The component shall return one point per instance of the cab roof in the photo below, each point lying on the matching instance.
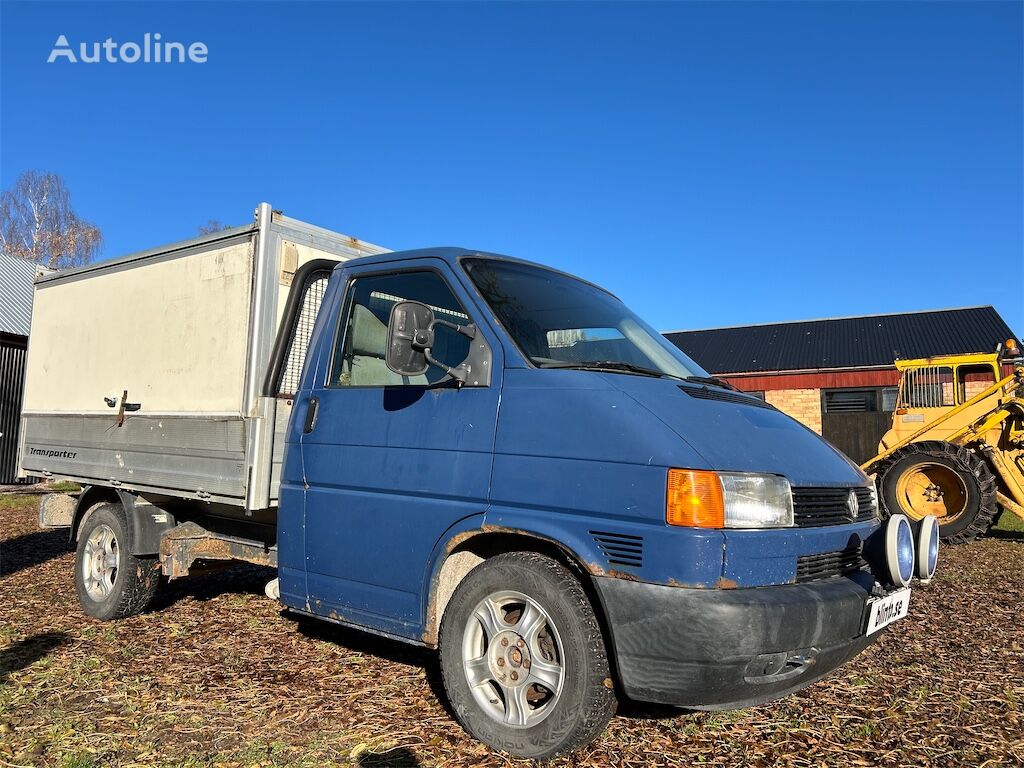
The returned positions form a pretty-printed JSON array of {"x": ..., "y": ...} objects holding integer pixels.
[{"x": 451, "y": 256}]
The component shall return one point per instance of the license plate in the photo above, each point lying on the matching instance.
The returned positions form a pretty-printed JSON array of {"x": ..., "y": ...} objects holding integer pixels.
[{"x": 885, "y": 610}]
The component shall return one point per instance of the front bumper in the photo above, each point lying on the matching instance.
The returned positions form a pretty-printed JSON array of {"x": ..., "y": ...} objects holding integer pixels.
[{"x": 730, "y": 648}]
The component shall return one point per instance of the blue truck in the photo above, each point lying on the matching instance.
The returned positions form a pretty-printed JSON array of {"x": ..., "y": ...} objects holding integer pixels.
[{"x": 502, "y": 461}]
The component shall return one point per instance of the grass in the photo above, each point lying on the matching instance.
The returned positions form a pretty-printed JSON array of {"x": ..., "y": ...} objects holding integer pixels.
[
  {"x": 79, "y": 760},
  {"x": 1010, "y": 522},
  {"x": 64, "y": 486},
  {"x": 31, "y": 500},
  {"x": 10, "y": 501}
]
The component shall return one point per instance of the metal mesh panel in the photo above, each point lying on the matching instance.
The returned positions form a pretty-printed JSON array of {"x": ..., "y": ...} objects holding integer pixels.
[
  {"x": 313, "y": 296},
  {"x": 927, "y": 387}
]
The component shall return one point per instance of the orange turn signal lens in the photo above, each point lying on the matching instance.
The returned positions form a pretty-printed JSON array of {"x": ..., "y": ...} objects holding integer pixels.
[{"x": 694, "y": 498}]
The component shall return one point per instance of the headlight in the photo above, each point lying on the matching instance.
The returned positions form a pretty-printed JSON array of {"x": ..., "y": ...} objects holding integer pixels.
[
  {"x": 899, "y": 550},
  {"x": 727, "y": 500}
]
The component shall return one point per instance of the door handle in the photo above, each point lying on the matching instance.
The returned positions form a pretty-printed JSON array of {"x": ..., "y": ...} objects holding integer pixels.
[{"x": 312, "y": 409}]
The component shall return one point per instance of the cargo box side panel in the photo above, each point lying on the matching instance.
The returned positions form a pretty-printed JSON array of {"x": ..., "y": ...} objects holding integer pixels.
[
  {"x": 171, "y": 331},
  {"x": 196, "y": 456}
]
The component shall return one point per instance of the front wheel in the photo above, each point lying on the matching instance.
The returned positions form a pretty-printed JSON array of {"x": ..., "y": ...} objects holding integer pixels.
[
  {"x": 935, "y": 478},
  {"x": 523, "y": 658},
  {"x": 112, "y": 583}
]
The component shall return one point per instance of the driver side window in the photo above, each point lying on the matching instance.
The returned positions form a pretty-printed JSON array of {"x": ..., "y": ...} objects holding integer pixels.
[{"x": 362, "y": 336}]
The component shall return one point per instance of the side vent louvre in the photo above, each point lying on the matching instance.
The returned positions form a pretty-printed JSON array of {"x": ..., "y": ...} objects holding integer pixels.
[
  {"x": 725, "y": 396},
  {"x": 620, "y": 548}
]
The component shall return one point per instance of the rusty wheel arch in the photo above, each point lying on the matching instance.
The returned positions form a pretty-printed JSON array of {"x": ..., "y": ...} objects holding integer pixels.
[{"x": 482, "y": 544}]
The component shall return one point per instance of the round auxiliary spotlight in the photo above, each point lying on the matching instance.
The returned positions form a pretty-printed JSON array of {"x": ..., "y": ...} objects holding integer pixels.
[
  {"x": 927, "y": 548},
  {"x": 899, "y": 550}
]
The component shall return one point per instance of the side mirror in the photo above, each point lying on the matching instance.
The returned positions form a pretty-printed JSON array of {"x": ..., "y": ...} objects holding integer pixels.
[{"x": 410, "y": 337}]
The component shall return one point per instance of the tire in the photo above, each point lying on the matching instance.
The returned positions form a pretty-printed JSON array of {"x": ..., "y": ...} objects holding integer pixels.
[
  {"x": 563, "y": 647},
  {"x": 122, "y": 584},
  {"x": 950, "y": 481}
]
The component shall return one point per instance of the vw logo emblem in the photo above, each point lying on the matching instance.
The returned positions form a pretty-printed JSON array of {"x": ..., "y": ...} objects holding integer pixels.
[{"x": 851, "y": 505}]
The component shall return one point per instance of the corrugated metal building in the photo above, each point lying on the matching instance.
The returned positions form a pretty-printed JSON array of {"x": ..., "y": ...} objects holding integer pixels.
[
  {"x": 16, "y": 286},
  {"x": 837, "y": 375}
]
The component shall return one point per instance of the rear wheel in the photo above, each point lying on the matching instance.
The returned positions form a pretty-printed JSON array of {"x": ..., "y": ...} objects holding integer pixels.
[
  {"x": 934, "y": 478},
  {"x": 524, "y": 659},
  {"x": 112, "y": 583}
]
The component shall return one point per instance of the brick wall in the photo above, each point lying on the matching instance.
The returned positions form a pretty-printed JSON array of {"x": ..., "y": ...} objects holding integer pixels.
[{"x": 804, "y": 405}]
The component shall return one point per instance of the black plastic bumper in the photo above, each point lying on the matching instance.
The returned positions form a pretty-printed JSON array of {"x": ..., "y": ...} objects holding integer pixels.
[{"x": 722, "y": 649}]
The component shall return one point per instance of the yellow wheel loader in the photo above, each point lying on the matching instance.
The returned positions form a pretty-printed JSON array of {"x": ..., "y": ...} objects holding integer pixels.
[{"x": 956, "y": 446}]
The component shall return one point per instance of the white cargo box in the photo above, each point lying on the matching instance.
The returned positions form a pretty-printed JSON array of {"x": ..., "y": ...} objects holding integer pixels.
[{"x": 147, "y": 372}]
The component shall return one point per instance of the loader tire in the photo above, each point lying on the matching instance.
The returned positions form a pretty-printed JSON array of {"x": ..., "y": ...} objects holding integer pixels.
[
  {"x": 948, "y": 481},
  {"x": 112, "y": 583}
]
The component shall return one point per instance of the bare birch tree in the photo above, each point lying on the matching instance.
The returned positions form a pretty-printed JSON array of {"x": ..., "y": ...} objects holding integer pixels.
[
  {"x": 211, "y": 226},
  {"x": 38, "y": 224}
]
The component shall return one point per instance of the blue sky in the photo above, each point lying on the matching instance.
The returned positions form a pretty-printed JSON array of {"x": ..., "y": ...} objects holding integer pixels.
[{"x": 713, "y": 164}]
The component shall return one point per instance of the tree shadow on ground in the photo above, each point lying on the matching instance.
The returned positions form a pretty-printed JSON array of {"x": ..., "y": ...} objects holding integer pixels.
[
  {"x": 32, "y": 549},
  {"x": 26, "y": 652}
]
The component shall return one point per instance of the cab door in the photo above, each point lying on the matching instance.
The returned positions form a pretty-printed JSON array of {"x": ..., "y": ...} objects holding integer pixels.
[
  {"x": 391, "y": 462},
  {"x": 971, "y": 380}
]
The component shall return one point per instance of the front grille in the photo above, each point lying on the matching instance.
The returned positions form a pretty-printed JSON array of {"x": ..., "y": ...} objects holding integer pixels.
[
  {"x": 725, "y": 396},
  {"x": 620, "y": 548},
  {"x": 813, "y": 507},
  {"x": 828, "y": 565}
]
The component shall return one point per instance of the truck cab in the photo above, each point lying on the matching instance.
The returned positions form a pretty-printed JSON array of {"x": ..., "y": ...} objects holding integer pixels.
[
  {"x": 502, "y": 460},
  {"x": 930, "y": 387}
]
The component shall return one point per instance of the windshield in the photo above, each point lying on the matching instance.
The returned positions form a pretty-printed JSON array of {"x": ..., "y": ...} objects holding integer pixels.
[{"x": 560, "y": 322}]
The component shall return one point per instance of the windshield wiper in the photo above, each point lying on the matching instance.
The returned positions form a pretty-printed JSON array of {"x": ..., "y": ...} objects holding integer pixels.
[
  {"x": 712, "y": 380},
  {"x": 613, "y": 366}
]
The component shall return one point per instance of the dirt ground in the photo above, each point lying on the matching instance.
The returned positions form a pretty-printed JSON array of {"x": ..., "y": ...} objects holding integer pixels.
[{"x": 218, "y": 675}]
